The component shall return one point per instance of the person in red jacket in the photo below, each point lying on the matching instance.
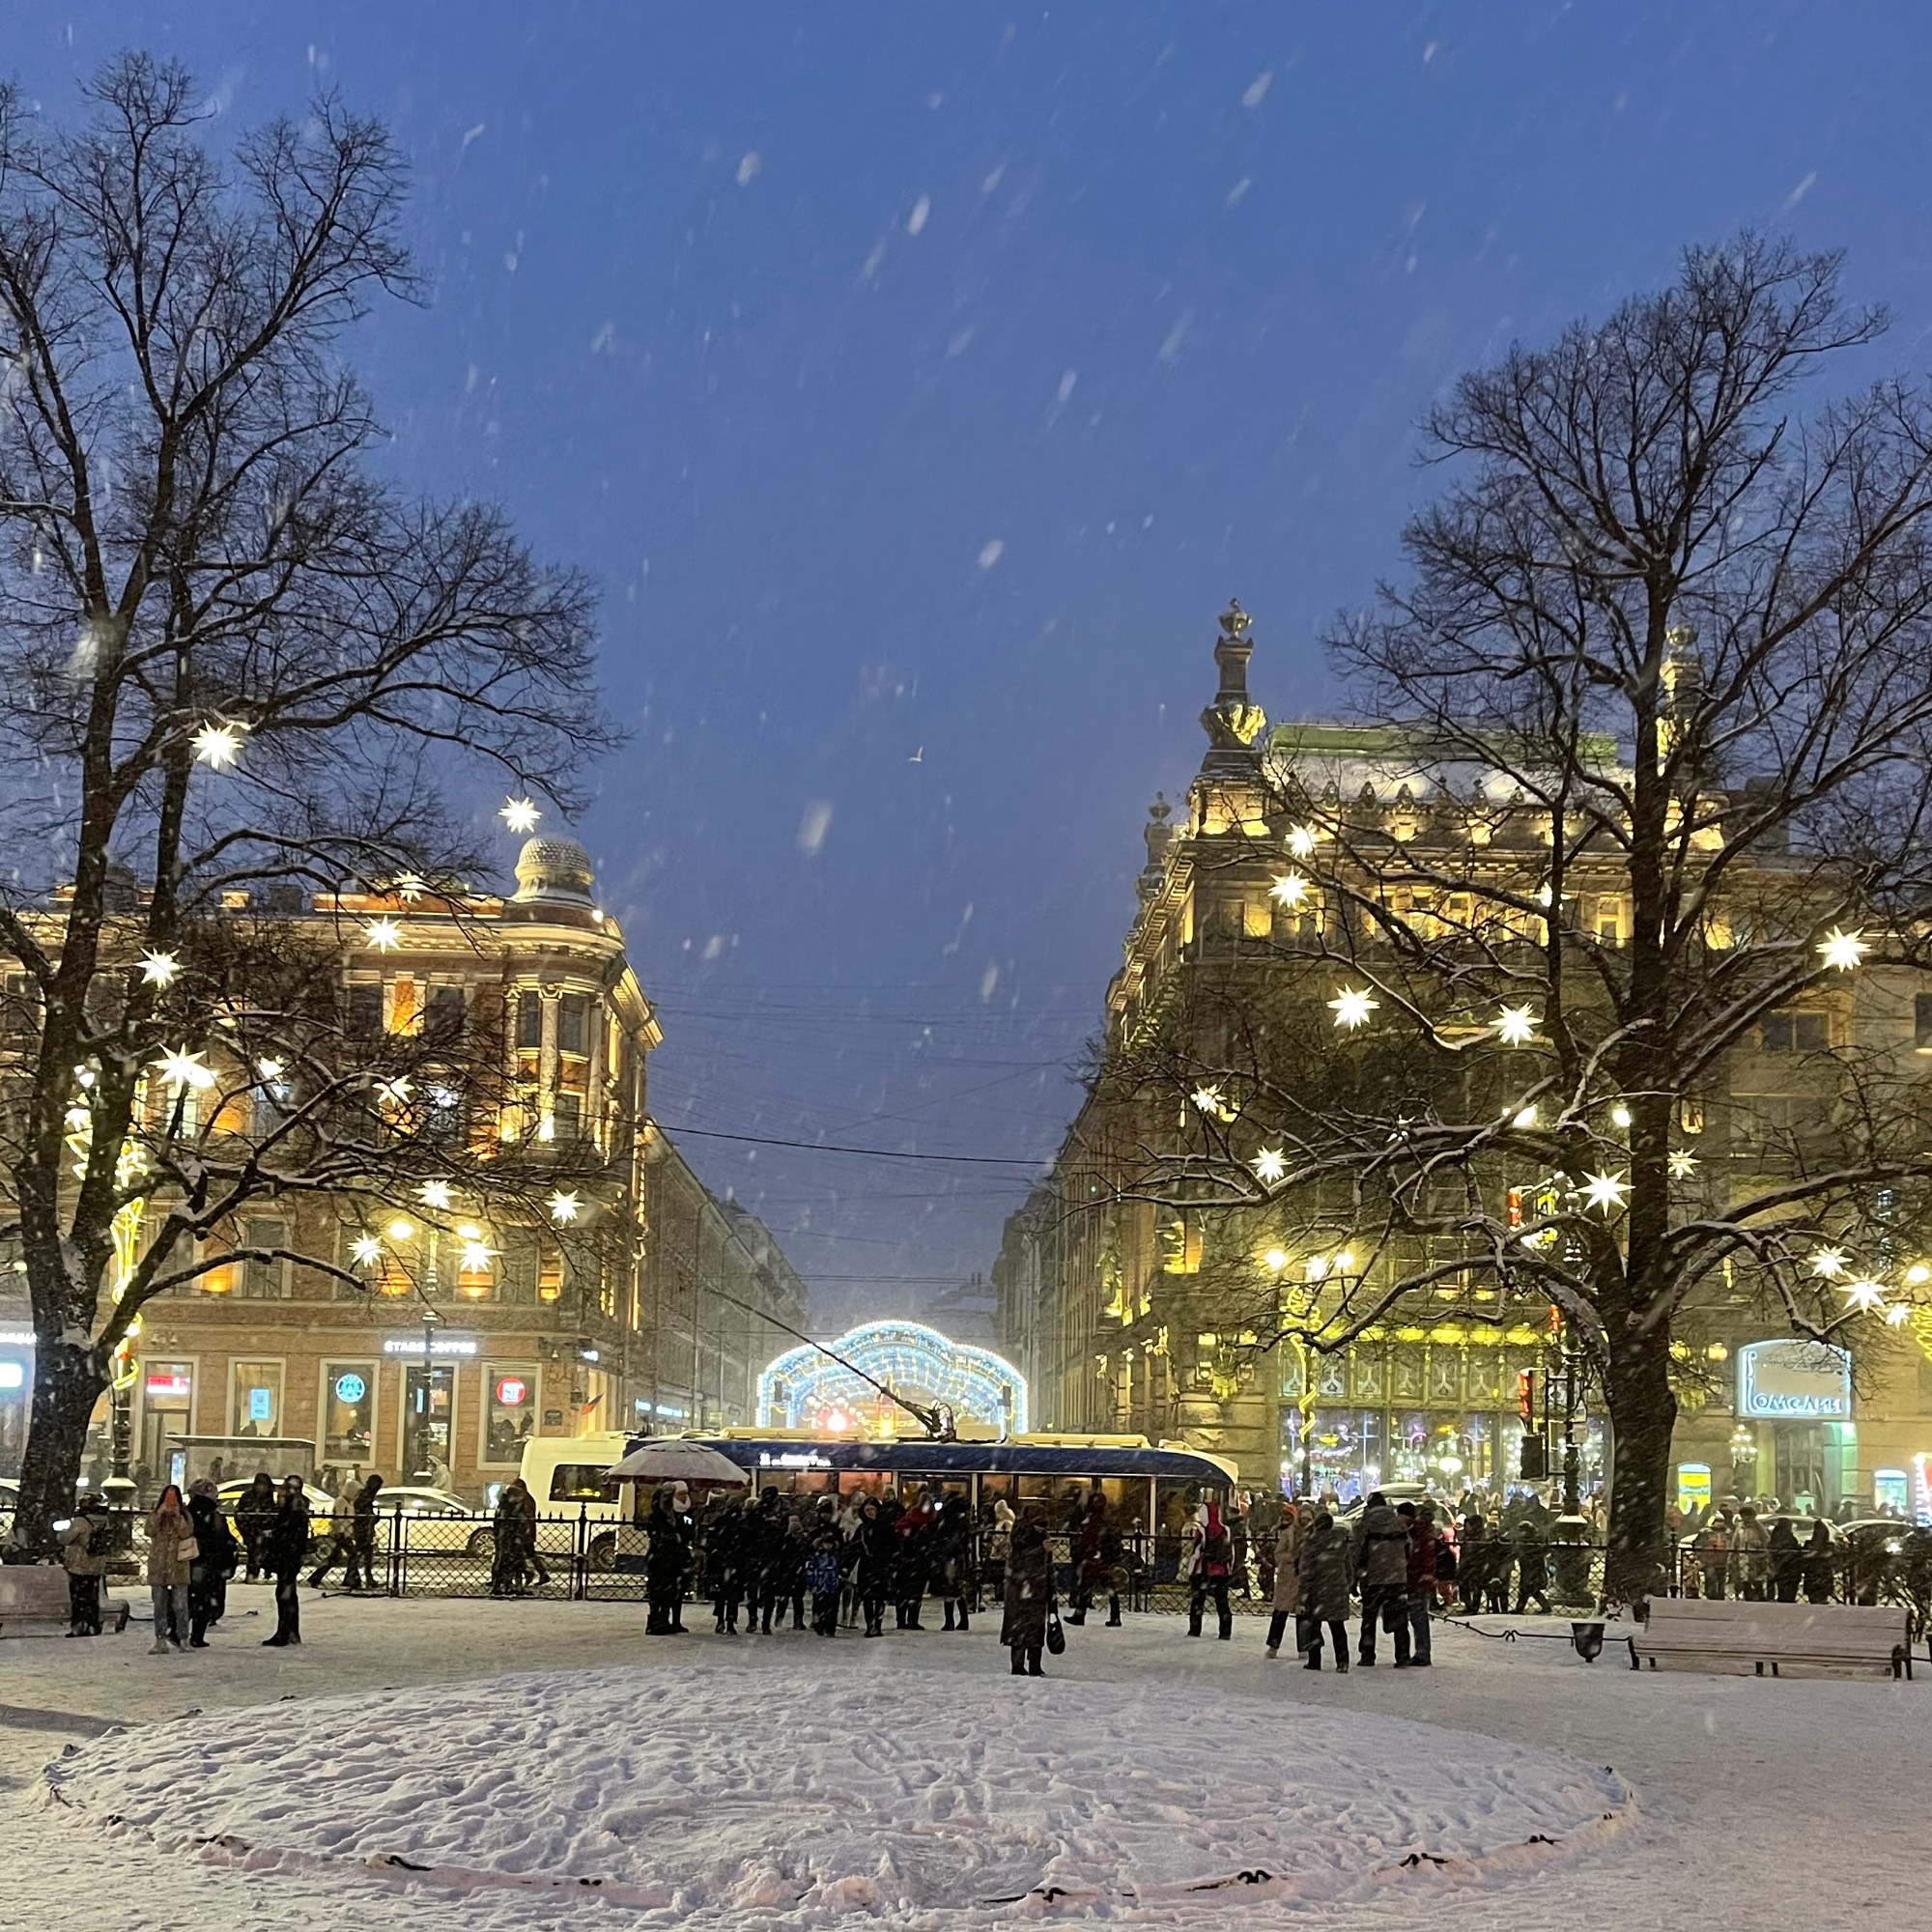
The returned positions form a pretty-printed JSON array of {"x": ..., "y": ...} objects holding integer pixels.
[{"x": 1411, "y": 1643}]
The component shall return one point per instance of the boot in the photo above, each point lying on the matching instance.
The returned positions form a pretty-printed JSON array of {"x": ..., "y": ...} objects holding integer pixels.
[
  {"x": 1019, "y": 1661},
  {"x": 1341, "y": 1664},
  {"x": 1113, "y": 1613},
  {"x": 1033, "y": 1663},
  {"x": 160, "y": 1647},
  {"x": 948, "y": 1616},
  {"x": 962, "y": 1619},
  {"x": 1315, "y": 1662},
  {"x": 1273, "y": 1650},
  {"x": 1076, "y": 1616}
]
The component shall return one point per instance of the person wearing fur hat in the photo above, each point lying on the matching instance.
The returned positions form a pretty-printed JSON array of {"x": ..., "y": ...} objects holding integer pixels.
[
  {"x": 667, "y": 1563},
  {"x": 1029, "y": 1594}
]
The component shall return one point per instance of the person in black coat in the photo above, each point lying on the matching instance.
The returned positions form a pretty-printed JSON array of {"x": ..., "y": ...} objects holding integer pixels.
[
  {"x": 952, "y": 1554},
  {"x": 877, "y": 1559},
  {"x": 1787, "y": 1561},
  {"x": 283, "y": 1549},
  {"x": 215, "y": 1555},
  {"x": 666, "y": 1564},
  {"x": 726, "y": 1550},
  {"x": 254, "y": 1515}
]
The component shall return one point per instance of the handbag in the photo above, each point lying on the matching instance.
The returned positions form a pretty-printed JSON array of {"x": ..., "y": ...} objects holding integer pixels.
[
  {"x": 1056, "y": 1637},
  {"x": 188, "y": 1550}
]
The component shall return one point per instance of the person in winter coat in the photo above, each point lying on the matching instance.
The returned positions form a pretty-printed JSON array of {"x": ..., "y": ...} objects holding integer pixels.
[
  {"x": 1532, "y": 1565},
  {"x": 253, "y": 1515},
  {"x": 1787, "y": 1560},
  {"x": 1413, "y": 1649},
  {"x": 785, "y": 1575},
  {"x": 1266, "y": 1513},
  {"x": 876, "y": 1553},
  {"x": 216, "y": 1556},
  {"x": 999, "y": 1541},
  {"x": 1209, "y": 1569},
  {"x": 362, "y": 1537},
  {"x": 508, "y": 1573},
  {"x": 1751, "y": 1561},
  {"x": 1029, "y": 1596},
  {"x": 283, "y": 1549},
  {"x": 725, "y": 1552},
  {"x": 1084, "y": 1539},
  {"x": 1817, "y": 1565},
  {"x": 666, "y": 1564},
  {"x": 341, "y": 1544},
  {"x": 1712, "y": 1549},
  {"x": 952, "y": 1553},
  {"x": 912, "y": 1564},
  {"x": 1381, "y": 1562},
  {"x": 821, "y": 1578},
  {"x": 1325, "y": 1571},
  {"x": 1285, "y": 1598},
  {"x": 760, "y": 1556},
  {"x": 83, "y": 1548},
  {"x": 170, "y": 1558}
]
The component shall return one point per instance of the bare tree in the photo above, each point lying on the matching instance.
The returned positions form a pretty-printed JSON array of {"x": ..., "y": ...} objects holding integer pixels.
[
  {"x": 231, "y": 656},
  {"x": 1657, "y": 705}
]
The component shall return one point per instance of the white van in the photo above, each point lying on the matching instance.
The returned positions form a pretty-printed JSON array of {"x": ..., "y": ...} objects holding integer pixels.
[{"x": 566, "y": 1475}]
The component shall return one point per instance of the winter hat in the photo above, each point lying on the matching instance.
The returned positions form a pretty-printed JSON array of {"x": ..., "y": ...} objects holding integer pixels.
[{"x": 679, "y": 1494}]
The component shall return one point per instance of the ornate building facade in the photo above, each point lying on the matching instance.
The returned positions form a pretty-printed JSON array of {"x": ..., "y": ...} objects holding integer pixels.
[
  {"x": 1131, "y": 1316},
  {"x": 467, "y": 1329}
]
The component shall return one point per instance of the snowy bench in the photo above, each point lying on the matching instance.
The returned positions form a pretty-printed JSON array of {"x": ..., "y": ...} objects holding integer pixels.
[
  {"x": 1715, "y": 1634},
  {"x": 35, "y": 1593}
]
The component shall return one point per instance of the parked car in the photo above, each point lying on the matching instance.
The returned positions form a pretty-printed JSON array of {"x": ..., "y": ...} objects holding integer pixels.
[
  {"x": 321, "y": 1506},
  {"x": 438, "y": 1520}
]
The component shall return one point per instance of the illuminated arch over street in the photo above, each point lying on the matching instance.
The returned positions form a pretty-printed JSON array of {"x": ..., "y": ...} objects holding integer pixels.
[{"x": 805, "y": 1386}]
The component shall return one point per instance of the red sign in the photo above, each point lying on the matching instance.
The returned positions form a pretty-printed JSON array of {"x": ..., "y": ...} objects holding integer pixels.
[
  {"x": 512, "y": 1391},
  {"x": 168, "y": 1385}
]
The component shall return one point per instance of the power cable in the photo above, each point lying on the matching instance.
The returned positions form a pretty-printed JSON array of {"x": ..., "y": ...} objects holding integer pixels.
[{"x": 870, "y": 1153}]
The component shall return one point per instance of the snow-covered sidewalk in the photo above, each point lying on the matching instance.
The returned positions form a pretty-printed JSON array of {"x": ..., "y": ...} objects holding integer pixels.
[{"x": 615, "y": 1780}]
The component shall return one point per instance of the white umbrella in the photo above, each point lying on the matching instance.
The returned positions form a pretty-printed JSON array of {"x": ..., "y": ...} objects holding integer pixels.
[{"x": 670, "y": 1458}]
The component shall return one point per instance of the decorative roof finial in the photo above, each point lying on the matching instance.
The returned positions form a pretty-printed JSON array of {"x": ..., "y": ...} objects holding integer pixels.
[{"x": 1232, "y": 722}]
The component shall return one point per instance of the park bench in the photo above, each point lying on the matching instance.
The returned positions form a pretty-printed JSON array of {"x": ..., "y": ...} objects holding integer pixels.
[
  {"x": 1715, "y": 1634},
  {"x": 35, "y": 1593}
]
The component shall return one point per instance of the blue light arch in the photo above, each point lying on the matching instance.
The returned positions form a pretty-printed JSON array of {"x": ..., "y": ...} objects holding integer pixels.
[{"x": 907, "y": 1356}]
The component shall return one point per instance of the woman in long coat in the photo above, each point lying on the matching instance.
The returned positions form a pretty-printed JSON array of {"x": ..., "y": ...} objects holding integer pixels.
[
  {"x": 1327, "y": 1571},
  {"x": 1286, "y": 1601},
  {"x": 1029, "y": 1597}
]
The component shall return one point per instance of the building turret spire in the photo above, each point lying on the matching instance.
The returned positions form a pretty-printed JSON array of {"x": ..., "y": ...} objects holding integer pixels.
[{"x": 1232, "y": 722}]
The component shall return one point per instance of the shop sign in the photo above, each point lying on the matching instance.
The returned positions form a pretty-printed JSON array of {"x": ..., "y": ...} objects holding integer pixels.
[
  {"x": 260, "y": 1404},
  {"x": 1804, "y": 1382},
  {"x": 553, "y": 1418},
  {"x": 350, "y": 1388},
  {"x": 440, "y": 1345},
  {"x": 167, "y": 1388},
  {"x": 512, "y": 1391},
  {"x": 1693, "y": 1486}
]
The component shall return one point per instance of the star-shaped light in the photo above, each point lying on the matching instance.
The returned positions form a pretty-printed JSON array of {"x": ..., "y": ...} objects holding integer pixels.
[
  {"x": 219, "y": 743},
  {"x": 1842, "y": 950},
  {"x": 433, "y": 1194},
  {"x": 1207, "y": 1099},
  {"x": 477, "y": 1257},
  {"x": 1605, "y": 1190},
  {"x": 158, "y": 968},
  {"x": 1516, "y": 1026},
  {"x": 564, "y": 1208},
  {"x": 397, "y": 1091},
  {"x": 1269, "y": 1166},
  {"x": 442, "y": 1097},
  {"x": 1826, "y": 1262},
  {"x": 408, "y": 888},
  {"x": 520, "y": 815},
  {"x": 183, "y": 1068},
  {"x": 1897, "y": 1315},
  {"x": 1352, "y": 1007},
  {"x": 383, "y": 935},
  {"x": 1301, "y": 839},
  {"x": 1865, "y": 1295},
  {"x": 365, "y": 1250},
  {"x": 1683, "y": 1165},
  {"x": 1290, "y": 889}
]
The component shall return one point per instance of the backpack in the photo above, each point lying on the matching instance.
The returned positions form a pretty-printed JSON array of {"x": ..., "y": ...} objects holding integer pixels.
[
  {"x": 99, "y": 1537},
  {"x": 1445, "y": 1561},
  {"x": 1218, "y": 1554}
]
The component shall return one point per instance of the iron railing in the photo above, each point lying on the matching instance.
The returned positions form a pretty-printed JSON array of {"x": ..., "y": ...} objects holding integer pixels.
[{"x": 580, "y": 1555}]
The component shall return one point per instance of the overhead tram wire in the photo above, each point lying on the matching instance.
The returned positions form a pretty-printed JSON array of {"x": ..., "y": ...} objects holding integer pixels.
[{"x": 870, "y": 1153}]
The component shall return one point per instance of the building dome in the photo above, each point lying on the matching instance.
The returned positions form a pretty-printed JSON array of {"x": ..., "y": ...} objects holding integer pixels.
[{"x": 554, "y": 870}]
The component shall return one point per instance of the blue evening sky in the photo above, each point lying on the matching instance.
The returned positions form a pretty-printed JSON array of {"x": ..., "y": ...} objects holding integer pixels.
[{"x": 919, "y": 381}]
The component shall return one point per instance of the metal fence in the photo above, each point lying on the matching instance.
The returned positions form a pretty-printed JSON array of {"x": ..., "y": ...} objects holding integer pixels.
[{"x": 583, "y": 1556}]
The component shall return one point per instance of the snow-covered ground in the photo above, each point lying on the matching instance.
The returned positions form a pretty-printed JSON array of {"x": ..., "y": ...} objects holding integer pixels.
[{"x": 613, "y": 1780}]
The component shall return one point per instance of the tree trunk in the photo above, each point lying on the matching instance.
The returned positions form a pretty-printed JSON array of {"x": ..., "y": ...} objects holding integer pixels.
[
  {"x": 68, "y": 1382},
  {"x": 1643, "y": 1411}
]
